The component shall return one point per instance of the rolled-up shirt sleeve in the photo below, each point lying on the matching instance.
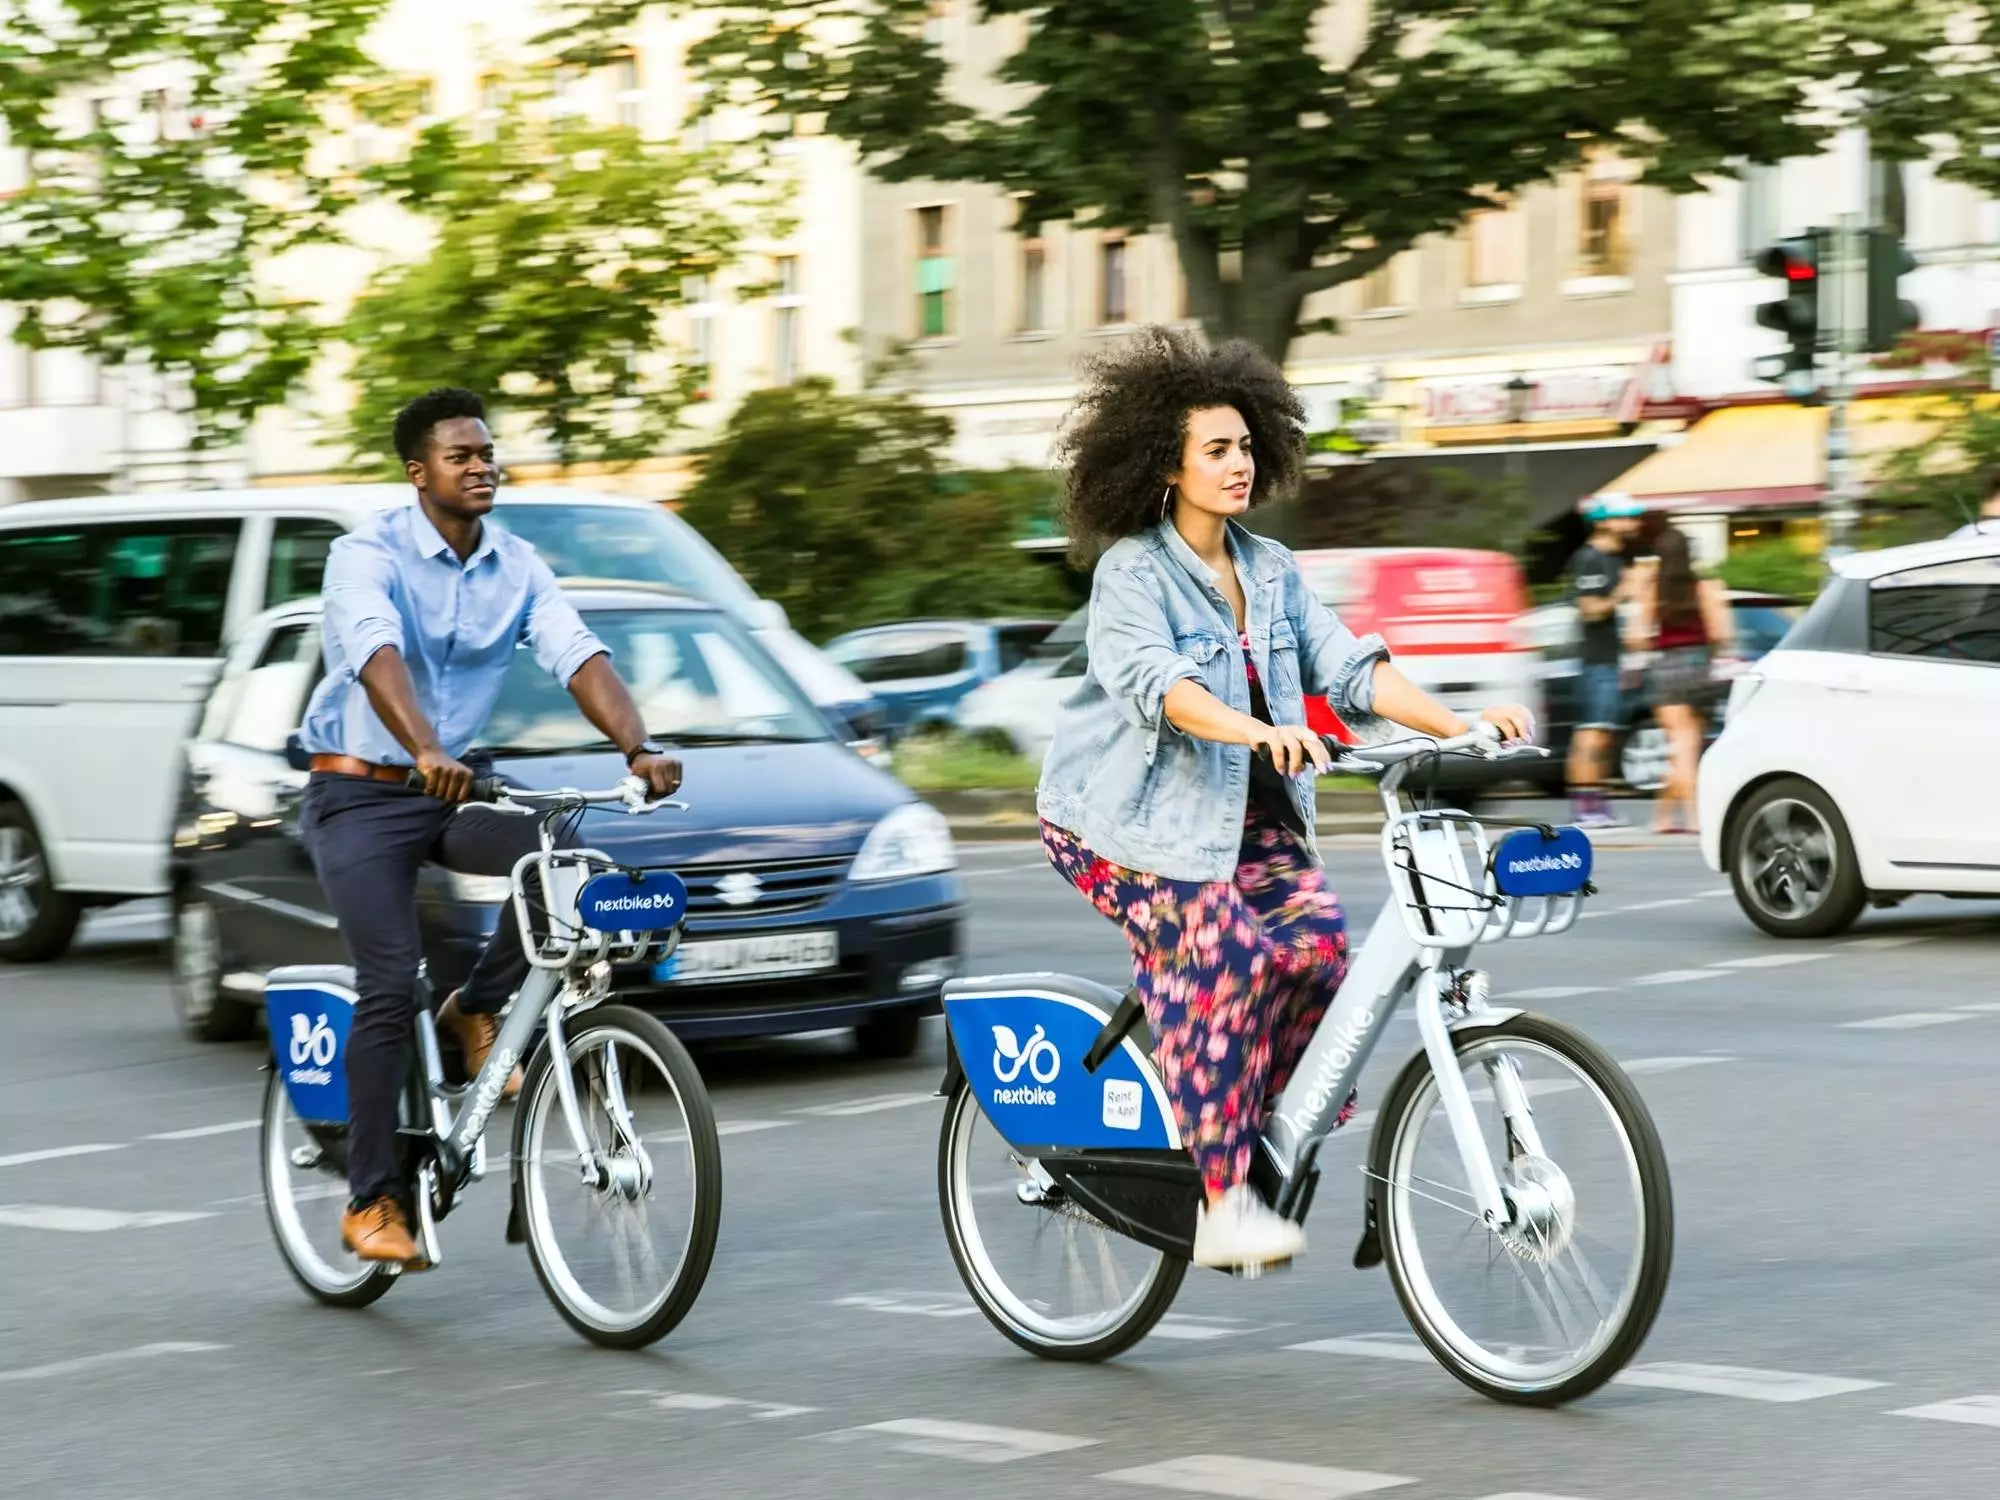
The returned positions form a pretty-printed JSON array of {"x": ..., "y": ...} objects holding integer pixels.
[
  {"x": 1338, "y": 664},
  {"x": 562, "y": 642},
  {"x": 1131, "y": 646},
  {"x": 358, "y": 602}
]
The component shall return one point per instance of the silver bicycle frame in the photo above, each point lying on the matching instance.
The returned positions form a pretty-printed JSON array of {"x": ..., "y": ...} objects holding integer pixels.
[{"x": 1391, "y": 965}]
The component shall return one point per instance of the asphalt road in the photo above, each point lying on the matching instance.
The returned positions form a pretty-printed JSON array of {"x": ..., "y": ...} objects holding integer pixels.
[{"x": 1829, "y": 1331}]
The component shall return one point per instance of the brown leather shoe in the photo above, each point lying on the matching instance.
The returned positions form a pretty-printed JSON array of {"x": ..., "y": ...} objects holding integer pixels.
[
  {"x": 476, "y": 1033},
  {"x": 376, "y": 1231}
]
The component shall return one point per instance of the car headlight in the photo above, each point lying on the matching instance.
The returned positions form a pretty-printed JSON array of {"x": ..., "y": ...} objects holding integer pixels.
[
  {"x": 912, "y": 840},
  {"x": 478, "y": 890}
]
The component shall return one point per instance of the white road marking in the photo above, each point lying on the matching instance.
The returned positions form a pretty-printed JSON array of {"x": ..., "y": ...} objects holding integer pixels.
[
  {"x": 755, "y": 1411},
  {"x": 1527, "y": 1495},
  {"x": 1660, "y": 905},
  {"x": 1040, "y": 864},
  {"x": 1770, "y": 960},
  {"x": 115, "y": 1357},
  {"x": 202, "y": 1130},
  {"x": 23, "y": 1158},
  {"x": 1984, "y": 1007},
  {"x": 1978, "y": 1411},
  {"x": 1254, "y": 1478},
  {"x": 1877, "y": 944},
  {"x": 971, "y": 1441},
  {"x": 914, "y": 1305},
  {"x": 1745, "y": 1384},
  {"x": 1715, "y": 893},
  {"x": 1400, "y": 1347},
  {"x": 868, "y": 1106},
  {"x": 1677, "y": 976},
  {"x": 1552, "y": 992},
  {"x": 1906, "y": 1021},
  {"x": 1196, "y": 1329},
  {"x": 127, "y": 918},
  {"x": 1645, "y": 1065},
  {"x": 722, "y": 1127},
  {"x": 85, "y": 1220}
]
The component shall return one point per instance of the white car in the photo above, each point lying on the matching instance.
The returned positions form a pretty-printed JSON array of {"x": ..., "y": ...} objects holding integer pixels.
[
  {"x": 1857, "y": 762},
  {"x": 1021, "y": 705}
]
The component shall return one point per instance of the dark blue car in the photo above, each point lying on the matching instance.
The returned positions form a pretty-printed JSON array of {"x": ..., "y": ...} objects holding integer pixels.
[
  {"x": 822, "y": 892},
  {"x": 920, "y": 669}
]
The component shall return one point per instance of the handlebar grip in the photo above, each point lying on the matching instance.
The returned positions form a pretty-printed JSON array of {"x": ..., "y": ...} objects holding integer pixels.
[{"x": 484, "y": 788}]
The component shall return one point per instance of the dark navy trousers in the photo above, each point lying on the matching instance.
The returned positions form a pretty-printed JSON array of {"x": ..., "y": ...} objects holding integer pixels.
[{"x": 368, "y": 840}]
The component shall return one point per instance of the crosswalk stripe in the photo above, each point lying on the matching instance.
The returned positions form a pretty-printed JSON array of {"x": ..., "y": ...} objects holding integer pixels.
[
  {"x": 226, "y": 1128},
  {"x": 86, "y": 1220},
  {"x": 1906, "y": 1021},
  {"x": 21, "y": 1159},
  {"x": 1254, "y": 1478},
  {"x": 1735, "y": 1380},
  {"x": 1978, "y": 1411},
  {"x": 1770, "y": 960}
]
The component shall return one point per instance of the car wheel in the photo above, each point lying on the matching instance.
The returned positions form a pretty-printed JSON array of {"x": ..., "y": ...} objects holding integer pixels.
[
  {"x": 1643, "y": 758},
  {"x": 889, "y": 1037},
  {"x": 1792, "y": 862},
  {"x": 37, "y": 921},
  {"x": 206, "y": 1012}
]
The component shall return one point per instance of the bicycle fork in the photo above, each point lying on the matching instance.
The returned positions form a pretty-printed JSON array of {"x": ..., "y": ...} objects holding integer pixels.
[
  {"x": 628, "y": 1175},
  {"x": 1496, "y": 1211}
]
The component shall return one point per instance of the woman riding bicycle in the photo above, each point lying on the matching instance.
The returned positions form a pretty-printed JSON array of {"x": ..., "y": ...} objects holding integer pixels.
[{"x": 1203, "y": 641}]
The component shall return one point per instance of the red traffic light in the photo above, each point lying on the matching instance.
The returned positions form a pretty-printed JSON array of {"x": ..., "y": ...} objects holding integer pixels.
[{"x": 1797, "y": 271}]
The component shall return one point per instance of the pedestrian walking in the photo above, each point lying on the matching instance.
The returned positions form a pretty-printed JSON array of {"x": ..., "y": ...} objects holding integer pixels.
[
  {"x": 1683, "y": 619},
  {"x": 1597, "y": 585}
]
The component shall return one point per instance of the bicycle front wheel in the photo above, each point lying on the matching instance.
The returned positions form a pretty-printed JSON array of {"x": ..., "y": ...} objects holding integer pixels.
[
  {"x": 621, "y": 1247},
  {"x": 1553, "y": 1305}
]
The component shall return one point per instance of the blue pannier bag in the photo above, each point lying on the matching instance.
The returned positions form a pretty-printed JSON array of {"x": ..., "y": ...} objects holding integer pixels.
[{"x": 1526, "y": 863}]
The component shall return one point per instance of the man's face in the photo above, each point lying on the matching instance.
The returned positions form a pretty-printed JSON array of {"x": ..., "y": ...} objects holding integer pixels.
[{"x": 457, "y": 472}]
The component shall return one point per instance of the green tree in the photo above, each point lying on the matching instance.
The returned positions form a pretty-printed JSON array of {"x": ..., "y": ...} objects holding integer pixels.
[
  {"x": 557, "y": 247},
  {"x": 836, "y": 506},
  {"x": 148, "y": 211},
  {"x": 1294, "y": 145},
  {"x": 1938, "y": 483}
]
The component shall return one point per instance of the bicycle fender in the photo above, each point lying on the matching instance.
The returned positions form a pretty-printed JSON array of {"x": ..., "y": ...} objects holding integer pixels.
[{"x": 954, "y": 1074}]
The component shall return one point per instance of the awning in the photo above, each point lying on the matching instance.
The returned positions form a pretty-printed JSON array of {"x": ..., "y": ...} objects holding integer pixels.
[{"x": 1763, "y": 457}]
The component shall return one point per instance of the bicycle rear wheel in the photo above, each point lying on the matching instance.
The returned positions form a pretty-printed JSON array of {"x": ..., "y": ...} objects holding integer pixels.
[
  {"x": 1555, "y": 1304},
  {"x": 622, "y": 1253},
  {"x": 305, "y": 1192},
  {"x": 1046, "y": 1273}
]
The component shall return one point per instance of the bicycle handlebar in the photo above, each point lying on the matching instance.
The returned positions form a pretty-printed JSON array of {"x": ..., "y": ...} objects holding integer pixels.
[
  {"x": 491, "y": 790},
  {"x": 1482, "y": 741}
]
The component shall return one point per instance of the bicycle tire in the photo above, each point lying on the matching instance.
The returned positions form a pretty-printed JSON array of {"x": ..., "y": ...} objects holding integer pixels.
[
  {"x": 961, "y": 1113},
  {"x": 1657, "y": 1239},
  {"x": 367, "y": 1281},
  {"x": 539, "y": 1095}
]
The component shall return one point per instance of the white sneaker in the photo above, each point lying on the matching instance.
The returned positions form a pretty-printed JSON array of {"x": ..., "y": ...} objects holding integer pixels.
[{"x": 1241, "y": 1231}]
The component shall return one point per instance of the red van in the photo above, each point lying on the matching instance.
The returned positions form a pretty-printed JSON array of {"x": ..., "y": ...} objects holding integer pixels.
[{"x": 1450, "y": 615}]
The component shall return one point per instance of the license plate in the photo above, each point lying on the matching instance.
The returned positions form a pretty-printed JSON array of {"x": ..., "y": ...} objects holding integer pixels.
[{"x": 723, "y": 959}]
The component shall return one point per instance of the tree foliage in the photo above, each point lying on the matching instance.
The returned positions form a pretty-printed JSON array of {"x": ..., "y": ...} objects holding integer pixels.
[
  {"x": 557, "y": 248},
  {"x": 836, "y": 506},
  {"x": 171, "y": 152},
  {"x": 1938, "y": 483},
  {"x": 1293, "y": 145}
]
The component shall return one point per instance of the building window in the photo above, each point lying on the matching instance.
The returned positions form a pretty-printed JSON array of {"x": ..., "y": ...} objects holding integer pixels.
[
  {"x": 1034, "y": 285},
  {"x": 934, "y": 273},
  {"x": 625, "y": 90},
  {"x": 1387, "y": 289},
  {"x": 698, "y": 293},
  {"x": 1603, "y": 240},
  {"x": 1113, "y": 282},
  {"x": 785, "y": 353},
  {"x": 1494, "y": 252},
  {"x": 1757, "y": 210}
]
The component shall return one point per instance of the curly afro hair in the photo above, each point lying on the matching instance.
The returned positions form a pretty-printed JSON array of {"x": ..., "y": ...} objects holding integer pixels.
[
  {"x": 1123, "y": 438},
  {"x": 415, "y": 421}
]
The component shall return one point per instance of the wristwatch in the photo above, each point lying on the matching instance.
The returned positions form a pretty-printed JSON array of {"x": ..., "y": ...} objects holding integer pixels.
[{"x": 644, "y": 747}]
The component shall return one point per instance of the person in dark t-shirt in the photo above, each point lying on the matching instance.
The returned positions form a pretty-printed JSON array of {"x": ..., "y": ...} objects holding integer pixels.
[{"x": 1596, "y": 577}]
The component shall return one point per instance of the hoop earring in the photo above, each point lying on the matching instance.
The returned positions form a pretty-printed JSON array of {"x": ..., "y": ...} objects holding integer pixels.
[{"x": 1166, "y": 501}]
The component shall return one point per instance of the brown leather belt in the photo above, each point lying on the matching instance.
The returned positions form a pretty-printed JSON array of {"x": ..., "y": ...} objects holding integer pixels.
[{"x": 349, "y": 765}]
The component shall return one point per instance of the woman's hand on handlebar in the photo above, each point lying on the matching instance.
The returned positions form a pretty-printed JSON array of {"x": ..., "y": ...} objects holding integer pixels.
[
  {"x": 661, "y": 773},
  {"x": 1291, "y": 747},
  {"x": 1515, "y": 723},
  {"x": 445, "y": 778}
]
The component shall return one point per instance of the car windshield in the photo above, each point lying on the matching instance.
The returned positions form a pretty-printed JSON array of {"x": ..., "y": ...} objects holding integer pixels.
[
  {"x": 696, "y": 676},
  {"x": 642, "y": 545}
]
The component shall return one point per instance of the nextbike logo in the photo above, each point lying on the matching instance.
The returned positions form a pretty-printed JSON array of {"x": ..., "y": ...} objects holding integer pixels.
[
  {"x": 1347, "y": 1039},
  {"x": 659, "y": 901},
  {"x": 312, "y": 1042},
  {"x": 1539, "y": 862},
  {"x": 1038, "y": 1056}
]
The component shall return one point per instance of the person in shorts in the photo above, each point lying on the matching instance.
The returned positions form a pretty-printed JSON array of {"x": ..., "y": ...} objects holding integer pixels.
[{"x": 1596, "y": 587}]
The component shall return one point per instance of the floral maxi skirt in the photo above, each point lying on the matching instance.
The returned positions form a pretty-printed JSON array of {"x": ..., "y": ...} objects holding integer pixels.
[{"x": 1235, "y": 976}]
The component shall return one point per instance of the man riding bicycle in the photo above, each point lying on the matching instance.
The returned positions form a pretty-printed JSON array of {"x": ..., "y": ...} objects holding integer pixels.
[{"x": 423, "y": 607}]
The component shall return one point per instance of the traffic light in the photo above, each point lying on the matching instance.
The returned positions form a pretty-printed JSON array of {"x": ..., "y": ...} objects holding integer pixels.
[
  {"x": 1889, "y": 316},
  {"x": 1795, "y": 261}
]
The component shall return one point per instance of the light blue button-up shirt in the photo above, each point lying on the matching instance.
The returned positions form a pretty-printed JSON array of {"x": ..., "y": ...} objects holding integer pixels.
[{"x": 393, "y": 581}]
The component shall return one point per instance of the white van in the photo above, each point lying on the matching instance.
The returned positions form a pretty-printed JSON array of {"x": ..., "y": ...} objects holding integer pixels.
[{"x": 114, "y": 612}]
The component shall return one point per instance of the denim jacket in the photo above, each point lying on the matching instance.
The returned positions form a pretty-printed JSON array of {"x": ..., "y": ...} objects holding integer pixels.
[{"x": 1131, "y": 787}]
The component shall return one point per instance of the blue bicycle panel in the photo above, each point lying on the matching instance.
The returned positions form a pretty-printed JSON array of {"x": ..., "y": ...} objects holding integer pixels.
[
  {"x": 1023, "y": 1054},
  {"x": 633, "y": 901},
  {"x": 1526, "y": 864},
  {"x": 309, "y": 1022}
]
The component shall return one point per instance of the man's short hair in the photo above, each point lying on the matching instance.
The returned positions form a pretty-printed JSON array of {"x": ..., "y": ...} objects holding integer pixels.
[{"x": 415, "y": 421}]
